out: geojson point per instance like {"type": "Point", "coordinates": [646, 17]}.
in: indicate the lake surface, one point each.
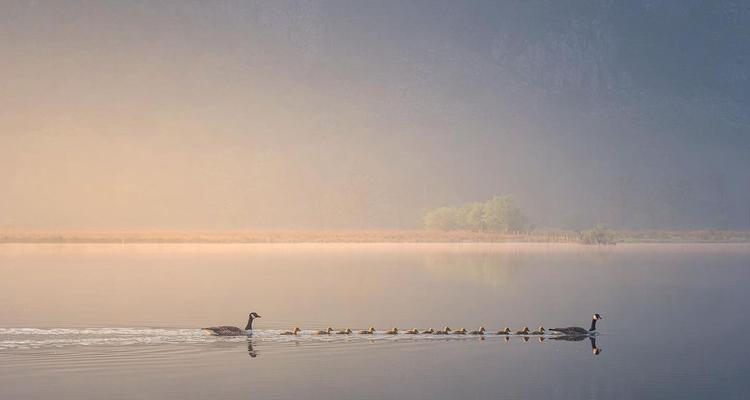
{"type": "Point", "coordinates": [122, 321]}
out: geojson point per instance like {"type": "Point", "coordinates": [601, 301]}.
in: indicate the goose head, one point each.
{"type": "Point", "coordinates": [447, 329]}
{"type": "Point", "coordinates": [506, 330]}
{"type": "Point", "coordinates": [481, 329]}
{"type": "Point", "coordinates": [329, 329]}
{"type": "Point", "coordinates": [348, 331]}
{"type": "Point", "coordinates": [525, 329]}
{"type": "Point", "coordinates": [541, 329]}
{"type": "Point", "coordinates": [253, 315]}
{"type": "Point", "coordinates": [597, 317]}
{"type": "Point", "coordinates": [296, 330]}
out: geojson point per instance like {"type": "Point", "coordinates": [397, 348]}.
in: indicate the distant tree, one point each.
{"type": "Point", "coordinates": [442, 218]}
{"type": "Point", "coordinates": [473, 216]}
{"type": "Point", "coordinates": [501, 214]}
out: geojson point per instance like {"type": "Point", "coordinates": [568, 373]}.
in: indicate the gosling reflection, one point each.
{"type": "Point", "coordinates": [577, 338]}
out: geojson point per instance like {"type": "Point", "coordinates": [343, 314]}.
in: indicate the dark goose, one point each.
{"type": "Point", "coordinates": [225, 330]}
{"type": "Point", "coordinates": [577, 330]}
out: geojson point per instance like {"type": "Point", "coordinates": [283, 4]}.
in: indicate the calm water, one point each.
{"type": "Point", "coordinates": [121, 322]}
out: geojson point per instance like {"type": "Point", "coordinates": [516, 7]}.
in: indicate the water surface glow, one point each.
{"type": "Point", "coordinates": [109, 321]}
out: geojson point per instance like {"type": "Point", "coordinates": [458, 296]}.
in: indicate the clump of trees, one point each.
{"type": "Point", "coordinates": [498, 214]}
{"type": "Point", "coordinates": [598, 235]}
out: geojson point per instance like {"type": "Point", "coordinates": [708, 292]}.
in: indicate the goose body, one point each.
{"type": "Point", "coordinates": [292, 332]}
{"type": "Point", "coordinates": [479, 332]}
{"type": "Point", "coordinates": [226, 330]}
{"type": "Point", "coordinates": [579, 331]}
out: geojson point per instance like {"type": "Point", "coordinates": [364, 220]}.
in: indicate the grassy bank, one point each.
{"type": "Point", "coordinates": [362, 236]}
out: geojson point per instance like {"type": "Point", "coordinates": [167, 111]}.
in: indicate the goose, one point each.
{"type": "Point", "coordinates": [325, 332]}
{"type": "Point", "coordinates": [505, 331]}
{"type": "Point", "coordinates": [346, 331]}
{"type": "Point", "coordinates": [524, 331]}
{"type": "Point", "coordinates": [577, 330]}
{"type": "Point", "coordinates": [479, 332]}
{"type": "Point", "coordinates": [393, 331]}
{"type": "Point", "coordinates": [461, 331]}
{"type": "Point", "coordinates": [428, 331]}
{"type": "Point", "coordinates": [445, 331]}
{"type": "Point", "coordinates": [225, 330]}
{"type": "Point", "coordinates": [539, 331]}
{"type": "Point", "coordinates": [368, 331]}
{"type": "Point", "coordinates": [414, 331]}
{"type": "Point", "coordinates": [294, 332]}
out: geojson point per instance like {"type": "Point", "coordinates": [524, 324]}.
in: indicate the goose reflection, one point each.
{"type": "Point", "coordinates": [578, 338]}
{"type": "Point", "coordinates": [250, 350]}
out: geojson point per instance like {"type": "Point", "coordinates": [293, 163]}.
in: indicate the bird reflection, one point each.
{"type": "Point", "coordinates": [250, 351]}
{"type": "Point", "coordinates": [578, 338]}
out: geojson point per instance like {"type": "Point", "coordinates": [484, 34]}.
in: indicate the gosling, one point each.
{"type": "Point", "coordinates": [346, 331]}
{"type": "Point", "coordinates": [461, 331]}
{"type": "Point", "coordinates": [539, 331]}
{"type": "Point", "coordinates": [479, 332]}
{"type": "Point", "coordinates": [414, 331]}
{"type": "Point", "coordinates": [325, 332]}
{"type": "Point", "coordinates": [445, 331]}
{"type": "Point", "coordinates": [428, 331]}
{"type": "Point", "coordinates": [524, 331]}
{"type": "Point", "coordinates": [368, 331]}
{"type": "Point", "coordinates": [292, 332]}
{"type": "Point", "coordinates": [393, 331]}
{"type": "Point", "coordinates": [505, 331]}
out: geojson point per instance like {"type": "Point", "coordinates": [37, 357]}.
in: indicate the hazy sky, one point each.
{"type": "Point", "coordinates": [350, 114]}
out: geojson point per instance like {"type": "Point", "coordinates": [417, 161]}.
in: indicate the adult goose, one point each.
{"type": "Point", "coordinates": [577, 330]}
{"type": "Point", "coordinates": [225, 330]}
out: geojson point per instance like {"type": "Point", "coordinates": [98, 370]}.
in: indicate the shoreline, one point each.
{"type": "Point", "coordinates": [359, 236]}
